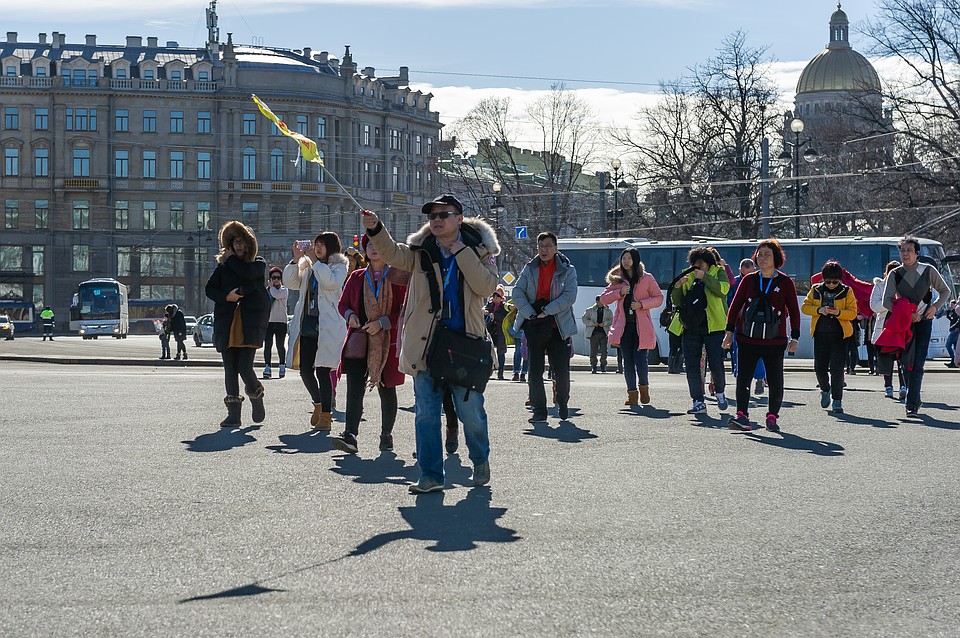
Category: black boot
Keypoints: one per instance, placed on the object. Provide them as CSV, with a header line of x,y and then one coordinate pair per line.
x,y
256,403
453,441
233,411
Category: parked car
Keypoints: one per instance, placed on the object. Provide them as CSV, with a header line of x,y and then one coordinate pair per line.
x,y
191,322
203,331
6,328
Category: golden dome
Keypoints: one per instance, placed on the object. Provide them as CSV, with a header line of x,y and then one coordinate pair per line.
x,y
838,67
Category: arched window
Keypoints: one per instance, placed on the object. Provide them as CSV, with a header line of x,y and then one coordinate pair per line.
x,y
249,163
276,165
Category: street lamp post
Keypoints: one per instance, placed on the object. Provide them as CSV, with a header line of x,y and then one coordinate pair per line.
x,y
809,155
497,208
615,185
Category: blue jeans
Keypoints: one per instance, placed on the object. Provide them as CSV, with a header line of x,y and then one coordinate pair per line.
x,y
519,363
636,367
921,344
693,346
952,344
429,404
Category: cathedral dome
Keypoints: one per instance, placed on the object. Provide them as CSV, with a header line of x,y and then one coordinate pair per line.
x,y
839,67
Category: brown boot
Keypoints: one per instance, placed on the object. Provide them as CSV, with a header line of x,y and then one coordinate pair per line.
x,y
233,404
645,394
326,421
315,417
632,397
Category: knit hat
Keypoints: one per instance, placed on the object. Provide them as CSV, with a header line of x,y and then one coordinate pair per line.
x,y
276,269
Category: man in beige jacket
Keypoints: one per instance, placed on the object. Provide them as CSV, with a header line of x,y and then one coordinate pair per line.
x,y
462,254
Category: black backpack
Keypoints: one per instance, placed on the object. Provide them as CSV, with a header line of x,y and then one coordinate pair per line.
x,y
693,310
760,319
666,315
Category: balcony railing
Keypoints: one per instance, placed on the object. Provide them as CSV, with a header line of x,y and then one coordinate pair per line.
x,y
81,182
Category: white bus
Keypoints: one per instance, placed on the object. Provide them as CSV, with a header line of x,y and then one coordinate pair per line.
x,y
100,307
865,257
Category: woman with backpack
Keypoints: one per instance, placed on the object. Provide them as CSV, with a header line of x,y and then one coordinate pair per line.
x,y
632,293
758,314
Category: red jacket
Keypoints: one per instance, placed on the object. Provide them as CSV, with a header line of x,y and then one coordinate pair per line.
x,y
898,328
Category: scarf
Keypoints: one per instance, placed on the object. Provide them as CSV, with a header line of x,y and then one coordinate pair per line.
x,y
375,306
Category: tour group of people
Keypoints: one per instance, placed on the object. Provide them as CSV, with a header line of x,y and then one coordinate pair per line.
x,y
372,317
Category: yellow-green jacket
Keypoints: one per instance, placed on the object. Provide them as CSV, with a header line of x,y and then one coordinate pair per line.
x,y
717,286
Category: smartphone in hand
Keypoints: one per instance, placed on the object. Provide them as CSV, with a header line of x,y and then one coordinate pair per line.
x,y
304,244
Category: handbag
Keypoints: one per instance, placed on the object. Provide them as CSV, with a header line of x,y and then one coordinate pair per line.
x,y
355,347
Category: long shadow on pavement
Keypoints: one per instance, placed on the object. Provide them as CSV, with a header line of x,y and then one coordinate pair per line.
x,y
386,468
648,411
789,441
565,432
703,420
929,421
222,440
859,420
453,528
310,442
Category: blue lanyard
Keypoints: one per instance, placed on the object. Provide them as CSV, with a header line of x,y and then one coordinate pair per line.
x,y
449,271
769,283
383,277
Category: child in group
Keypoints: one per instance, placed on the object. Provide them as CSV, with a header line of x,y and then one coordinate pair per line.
x,y
164,334
833,307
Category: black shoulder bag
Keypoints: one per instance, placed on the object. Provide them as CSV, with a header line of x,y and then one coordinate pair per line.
x,y
669,310
454,357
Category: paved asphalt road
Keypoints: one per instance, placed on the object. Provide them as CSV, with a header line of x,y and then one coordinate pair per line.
x,y
126,511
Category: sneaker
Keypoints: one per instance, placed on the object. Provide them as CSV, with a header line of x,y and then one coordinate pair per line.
x,y
913,412
593,369
537,418
889,391
386,443
283,370
722,402
481,474
758,389
266,372
346,442
425,485
698,407
772,424
837,407
739,422
903,393
516,376
824,399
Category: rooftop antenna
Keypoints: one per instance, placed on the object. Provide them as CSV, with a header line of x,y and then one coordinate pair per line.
x,y
213,31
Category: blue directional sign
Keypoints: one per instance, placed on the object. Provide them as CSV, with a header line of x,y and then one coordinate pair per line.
x,y
521,232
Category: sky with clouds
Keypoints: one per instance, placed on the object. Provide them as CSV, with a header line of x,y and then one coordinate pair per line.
x,y
613,53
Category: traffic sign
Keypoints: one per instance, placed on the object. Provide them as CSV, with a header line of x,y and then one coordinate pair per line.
x,y
521,232
508,278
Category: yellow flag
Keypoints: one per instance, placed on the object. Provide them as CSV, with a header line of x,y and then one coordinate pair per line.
x,y
308,148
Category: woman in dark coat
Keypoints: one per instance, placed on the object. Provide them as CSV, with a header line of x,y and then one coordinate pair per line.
x,y
240,317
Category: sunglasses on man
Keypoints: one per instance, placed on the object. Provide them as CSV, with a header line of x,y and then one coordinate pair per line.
x,y
443,214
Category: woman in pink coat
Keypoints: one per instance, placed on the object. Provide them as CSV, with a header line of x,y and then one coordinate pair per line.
x,y
632,293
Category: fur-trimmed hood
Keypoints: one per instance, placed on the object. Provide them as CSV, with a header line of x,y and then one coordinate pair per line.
x,y
475,232
615,276
236,230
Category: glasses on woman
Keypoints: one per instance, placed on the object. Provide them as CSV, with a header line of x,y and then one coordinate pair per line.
x,y
275,278
832,282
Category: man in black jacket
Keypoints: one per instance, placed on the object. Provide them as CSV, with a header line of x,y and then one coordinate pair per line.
x,y
178,326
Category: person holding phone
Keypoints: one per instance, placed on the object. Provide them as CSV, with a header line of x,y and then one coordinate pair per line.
x,y
317,332
833,307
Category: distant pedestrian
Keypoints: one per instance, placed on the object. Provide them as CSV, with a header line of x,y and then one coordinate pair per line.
x,y
515,338
277,324
632,292
46,316
494,314
832,307
954,332
163,331
764,301
597,320
240,313
178,328
317,331
544,294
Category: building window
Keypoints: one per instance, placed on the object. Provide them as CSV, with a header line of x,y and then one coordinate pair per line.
x,y
176,121
149,121
41,119
419,182
79,77
40,71
249,164
92,77
120,74
11,71
429,147
11,117
302,125
37,258
203,122
123,260
11,162
81,258
176,76
121,164
81,214
300,168
121,120
276,165
41,162
176,215
11,214
376,138
176,164
419,145
148,74
150,164
203,215
81,162
366,135
395,179
41,213
249,124
121,219
149,215
321,128
249,212
275,130
203,165
81,119
11,258
320,169
203,76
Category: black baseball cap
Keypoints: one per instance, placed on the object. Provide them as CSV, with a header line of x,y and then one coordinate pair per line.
x,y
443,199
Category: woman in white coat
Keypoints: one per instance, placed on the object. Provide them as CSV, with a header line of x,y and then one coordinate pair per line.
x,y
885,362
317,331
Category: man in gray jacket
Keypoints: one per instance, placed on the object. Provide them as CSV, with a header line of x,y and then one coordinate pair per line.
x,y
544,295
596,322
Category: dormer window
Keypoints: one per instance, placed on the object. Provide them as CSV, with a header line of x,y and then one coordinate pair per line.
x,y
148,74
10,71
40,72
120,74
203,76
176,76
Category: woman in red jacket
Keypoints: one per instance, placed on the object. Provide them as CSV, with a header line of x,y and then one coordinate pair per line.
x,y
763,335
371,302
